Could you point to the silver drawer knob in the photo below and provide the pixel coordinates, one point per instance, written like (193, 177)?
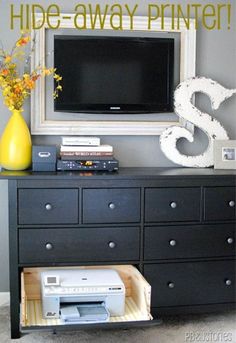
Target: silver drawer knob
(228, 282)
(173, 204)
(232, 203)
(171, 285)
(49, 246)
(111, 206)
(230, 240)
(172, 242)
(112, 245)
(48, 207)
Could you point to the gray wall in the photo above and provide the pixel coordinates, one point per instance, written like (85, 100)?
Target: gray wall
(216, 56)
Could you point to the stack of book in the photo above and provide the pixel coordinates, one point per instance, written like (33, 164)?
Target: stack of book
(84, 148)
(86, 153)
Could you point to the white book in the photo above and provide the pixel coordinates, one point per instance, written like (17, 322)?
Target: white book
(76, 140)
(75, 148)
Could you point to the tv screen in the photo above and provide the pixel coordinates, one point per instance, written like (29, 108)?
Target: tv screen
(114, 74)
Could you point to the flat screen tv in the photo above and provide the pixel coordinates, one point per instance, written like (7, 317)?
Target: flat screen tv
(114, 74)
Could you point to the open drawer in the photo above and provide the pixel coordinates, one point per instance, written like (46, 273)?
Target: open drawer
(137, 300)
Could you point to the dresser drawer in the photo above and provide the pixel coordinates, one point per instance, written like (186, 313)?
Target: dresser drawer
(48, 206)
(172, 204)
(192, 283)
(220, 203)
(78, 245)
(164, 242)
(116, 205)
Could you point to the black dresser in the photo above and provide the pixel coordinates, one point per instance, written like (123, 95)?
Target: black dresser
(176, 226)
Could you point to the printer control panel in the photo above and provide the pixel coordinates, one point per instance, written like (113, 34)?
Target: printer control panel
(78, 290)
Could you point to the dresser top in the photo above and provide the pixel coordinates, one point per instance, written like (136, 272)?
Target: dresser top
(123, 173)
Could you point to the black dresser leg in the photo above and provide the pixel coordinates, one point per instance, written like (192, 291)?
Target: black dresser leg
(15, 324)
(15, 333)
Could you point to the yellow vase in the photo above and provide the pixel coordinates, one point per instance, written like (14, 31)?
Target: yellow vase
(15, 143)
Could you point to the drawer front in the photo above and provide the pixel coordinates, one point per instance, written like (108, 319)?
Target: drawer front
(172, 204)
(117, 205)
(78, 245)
(48, 206)
(192, 283)
(220, 203)
(166, 242)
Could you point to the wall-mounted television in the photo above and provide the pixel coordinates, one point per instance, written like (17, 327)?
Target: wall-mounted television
(114, 74)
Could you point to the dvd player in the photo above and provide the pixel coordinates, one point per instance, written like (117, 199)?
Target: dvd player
(105, 165)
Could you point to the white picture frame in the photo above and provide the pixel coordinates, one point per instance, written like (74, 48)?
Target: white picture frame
(40, 125)
(225, 154)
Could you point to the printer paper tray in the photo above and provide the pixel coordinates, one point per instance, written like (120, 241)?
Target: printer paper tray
(83, 313)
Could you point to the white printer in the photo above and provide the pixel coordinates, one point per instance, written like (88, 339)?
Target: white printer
(82, 295)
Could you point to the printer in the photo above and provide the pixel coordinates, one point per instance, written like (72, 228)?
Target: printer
(82, 295)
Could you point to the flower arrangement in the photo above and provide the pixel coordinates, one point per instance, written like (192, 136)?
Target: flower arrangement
(16, 86)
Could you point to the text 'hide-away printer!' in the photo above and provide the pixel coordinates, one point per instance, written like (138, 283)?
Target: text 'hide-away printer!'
(82, 295)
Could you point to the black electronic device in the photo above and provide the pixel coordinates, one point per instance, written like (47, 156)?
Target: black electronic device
(105, 165)
(114, 74)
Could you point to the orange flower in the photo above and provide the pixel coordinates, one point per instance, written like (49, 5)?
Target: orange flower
(5, 72)
(23, 41)
(29, 84)
(35, 77)
(17, 90)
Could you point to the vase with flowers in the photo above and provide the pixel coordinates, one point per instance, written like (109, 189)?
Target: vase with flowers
(16, 86)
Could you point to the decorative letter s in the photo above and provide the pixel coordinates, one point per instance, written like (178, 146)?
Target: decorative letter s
(186, 110)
